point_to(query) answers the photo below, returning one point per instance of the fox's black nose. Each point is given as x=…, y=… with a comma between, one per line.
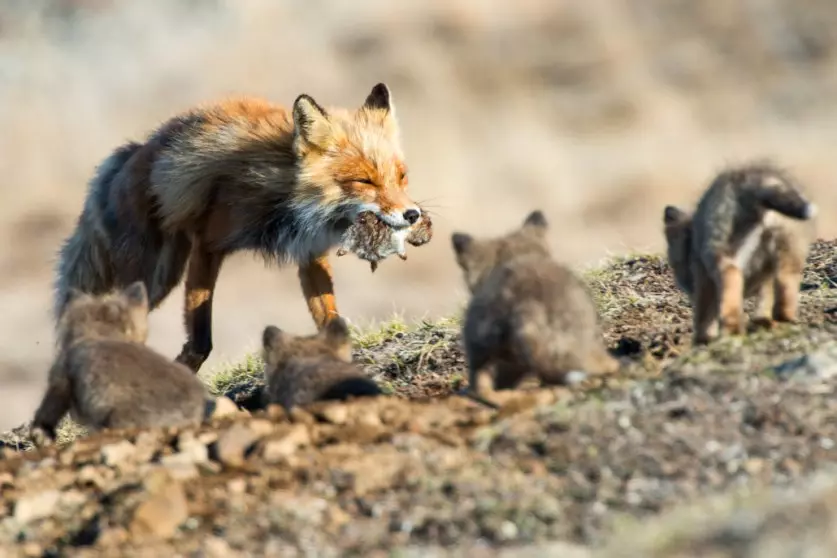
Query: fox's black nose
x=412, y=215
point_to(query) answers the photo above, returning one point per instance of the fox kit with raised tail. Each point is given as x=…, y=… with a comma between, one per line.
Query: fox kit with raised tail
x=237, y=175
x=106, y=376
x=300, y=370
x=748, y=236
x=528, y=314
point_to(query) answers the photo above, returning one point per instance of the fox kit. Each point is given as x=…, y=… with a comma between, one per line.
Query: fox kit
x=236, y=175
x=528, y=314
x=106, y=377
x=371, y=239
x=303, y=369
x=749, y=236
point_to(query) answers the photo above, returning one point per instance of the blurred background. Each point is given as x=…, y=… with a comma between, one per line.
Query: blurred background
x=599, y=112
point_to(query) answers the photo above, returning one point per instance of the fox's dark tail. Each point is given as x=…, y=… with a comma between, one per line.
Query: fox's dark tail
x=787, y=201
x=351, y=387
x=83, y=262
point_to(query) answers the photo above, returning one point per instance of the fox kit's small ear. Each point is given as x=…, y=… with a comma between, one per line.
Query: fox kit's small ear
x=339, y=338
x=271, y=337
x=337, y=331
x=672, y=214
x=536, y=221
x=136, y=294
x=380, y=99
x=311, y=122
x=461, y=242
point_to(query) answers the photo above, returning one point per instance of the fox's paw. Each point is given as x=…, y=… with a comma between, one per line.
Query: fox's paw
x=190, y=358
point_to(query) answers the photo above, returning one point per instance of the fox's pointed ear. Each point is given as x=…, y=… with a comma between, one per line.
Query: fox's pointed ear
x=672, y=215
x=380, y=98
x=311, y=123
x=536, y=221
x=461, y=242
x=136, y=294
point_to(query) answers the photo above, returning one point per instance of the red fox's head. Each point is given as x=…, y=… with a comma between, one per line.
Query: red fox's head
x=352, y=160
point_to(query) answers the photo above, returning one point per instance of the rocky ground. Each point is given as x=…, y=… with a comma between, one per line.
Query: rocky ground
x=424, y=472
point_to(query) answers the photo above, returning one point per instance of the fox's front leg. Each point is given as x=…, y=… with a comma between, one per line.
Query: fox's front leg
x=318, y=288
x=197, y=310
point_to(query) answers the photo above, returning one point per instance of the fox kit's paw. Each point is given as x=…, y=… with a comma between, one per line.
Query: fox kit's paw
x=762, y=322
x=40, y=437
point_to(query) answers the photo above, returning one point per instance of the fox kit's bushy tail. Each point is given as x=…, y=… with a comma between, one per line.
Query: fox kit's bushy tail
x=351, y=387
x=83, y=261
x=778, y=193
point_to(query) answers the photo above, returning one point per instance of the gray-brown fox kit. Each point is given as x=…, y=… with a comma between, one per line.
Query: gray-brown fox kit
x=749, y=236
x=371, y=239
x=106, y=377
x=528, y=314
x=300, y=370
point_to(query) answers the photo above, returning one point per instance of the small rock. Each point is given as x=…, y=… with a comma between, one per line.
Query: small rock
x=163, y=511
x=97, y=476
x=233, y=443
x=36, y=506
x=32, y=549
x=224, y=406
x=820, y=365
x=237, y=486
x=190, y=450
x=754, y=466
x=113, y=536
x=372, y=472
x=6, y=479
x=335, y=414
x=181, y=471
x=283, y=445
x=508, y=531
x=118, y=454
x=216, y=547
x=261, y=427
x=276, y=412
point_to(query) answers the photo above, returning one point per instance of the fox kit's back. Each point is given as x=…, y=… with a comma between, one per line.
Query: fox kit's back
x=748, y=236
x=528, y=314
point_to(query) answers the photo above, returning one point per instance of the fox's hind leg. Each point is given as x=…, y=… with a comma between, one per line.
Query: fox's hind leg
x=318, y=289
x=197, y=311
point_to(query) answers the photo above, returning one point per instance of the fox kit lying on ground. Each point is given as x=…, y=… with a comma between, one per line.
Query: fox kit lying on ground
x=303, y=369
x=106, y=377
x=749, y=236
x=371, y=239
x=236, y=175
x=528, y=314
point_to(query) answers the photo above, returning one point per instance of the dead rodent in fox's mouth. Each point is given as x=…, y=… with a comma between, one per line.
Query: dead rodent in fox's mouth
x=372, y=240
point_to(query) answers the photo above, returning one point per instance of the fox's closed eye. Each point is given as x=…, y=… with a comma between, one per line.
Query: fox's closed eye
x=365, y=181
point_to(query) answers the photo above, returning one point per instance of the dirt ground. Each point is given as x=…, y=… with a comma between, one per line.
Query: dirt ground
x=422, y=472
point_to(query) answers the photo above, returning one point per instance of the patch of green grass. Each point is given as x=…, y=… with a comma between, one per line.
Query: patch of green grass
x=248, y=370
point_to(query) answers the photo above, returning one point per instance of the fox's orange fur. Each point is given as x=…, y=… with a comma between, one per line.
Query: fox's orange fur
x=236, y=175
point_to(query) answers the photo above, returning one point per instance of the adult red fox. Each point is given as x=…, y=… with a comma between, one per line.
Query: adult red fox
x=240, y=174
